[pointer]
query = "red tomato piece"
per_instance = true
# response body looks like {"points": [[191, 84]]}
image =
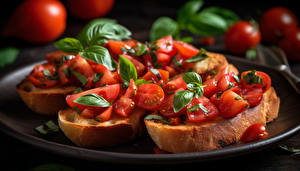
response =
{"points": [[38, 78], [87, 113], [124, 106], [105, 115], [254, 132], [227, 81], [107, 78], [252, 96], [174, 120], [231, 104], [163, 59], [175, 84], [249, 80], [210, 87], [109, 93], [151, 76], [186, 50], [131, 90], [201, 109], [81, 66], [172, 71], [115, 46], [149, 96], [215, 99], [166, 108], [138, 65], [55, 57], [165, 45]]}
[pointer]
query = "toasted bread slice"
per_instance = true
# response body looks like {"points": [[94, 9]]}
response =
{"points": [[196, 137], [91, 133], [44, 101]]}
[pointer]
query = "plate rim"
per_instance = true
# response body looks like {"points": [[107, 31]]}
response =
{"points": [[133, 158]]}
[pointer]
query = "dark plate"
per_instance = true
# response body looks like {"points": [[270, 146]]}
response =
{"points": [[18, 121]]}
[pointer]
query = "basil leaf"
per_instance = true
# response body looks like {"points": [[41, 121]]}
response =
{"points": [[156, 117], [251, 78], [66, 71], [186, 12], [163, 26], [99, 55], [156, 73], [127, 70], [207, 24], [8, 56], [99, 33], [97, 77], [199, 57], [251, 54], [193, 108], [77, 110], [47, 128], [142, 81], [78, 90], [92, 100], [176, 62], [48, 75], [190, 77], [181, 99], [229, 16], [69, 45], [204, 109], [237, 79], [80, 77], [51, 167], [290, 149], [187, 39]]}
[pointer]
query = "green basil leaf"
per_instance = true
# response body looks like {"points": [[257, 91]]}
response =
{"points": [[207, 24], [156, 73], [193, 108], [78, 90], [181, 99], [186, 12], [157, 117], [237, 79], [196, 88], [52, 167], [190, 77], [48, 75], [99, 55], [251, 54], [97, 77], [199, 57], [69, 45], [92, 100], [163, 26], [290, 149], [187, 39], [229, 16], [66, 71], [176, 62], [8, 56], [251, 78], [127, 70], [47, 128], [142, 81], [80, 77]]}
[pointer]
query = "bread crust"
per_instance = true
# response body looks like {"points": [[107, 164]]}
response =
{"points": [[46, 101], [90, 133], [213, 134]]}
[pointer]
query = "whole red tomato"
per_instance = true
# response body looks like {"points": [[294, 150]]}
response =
{"points": [[274, 21], [290, 43], [241, 37], [37, 21], [88, 9]]}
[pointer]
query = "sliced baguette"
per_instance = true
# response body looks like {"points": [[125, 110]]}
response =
{"points": [[91, 133], [44, 101], [212, 135]]}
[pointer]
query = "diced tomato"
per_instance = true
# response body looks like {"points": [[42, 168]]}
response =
{"points": [[205, 110], [175, 84], [151, 76], [252, 96], [254, 132], [165, 45], [64, 74], [225, 70], [215, 99], [186, 50], [38, 78], [105, 115], [109, 93], [138, 65], [166, 108], [87, 113], [107, 78], [227, 81], [81, 66], [148, 61], [210, 87], [163, 59], [172, 71], [124, 106], [231, 104], [131, 90], [55, 57], [174, 120], [149, 96], [248, 82], [115, 46]]}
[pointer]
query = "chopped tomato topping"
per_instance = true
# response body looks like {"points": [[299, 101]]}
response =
{"points": [[149, 96], [254, 132]]}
